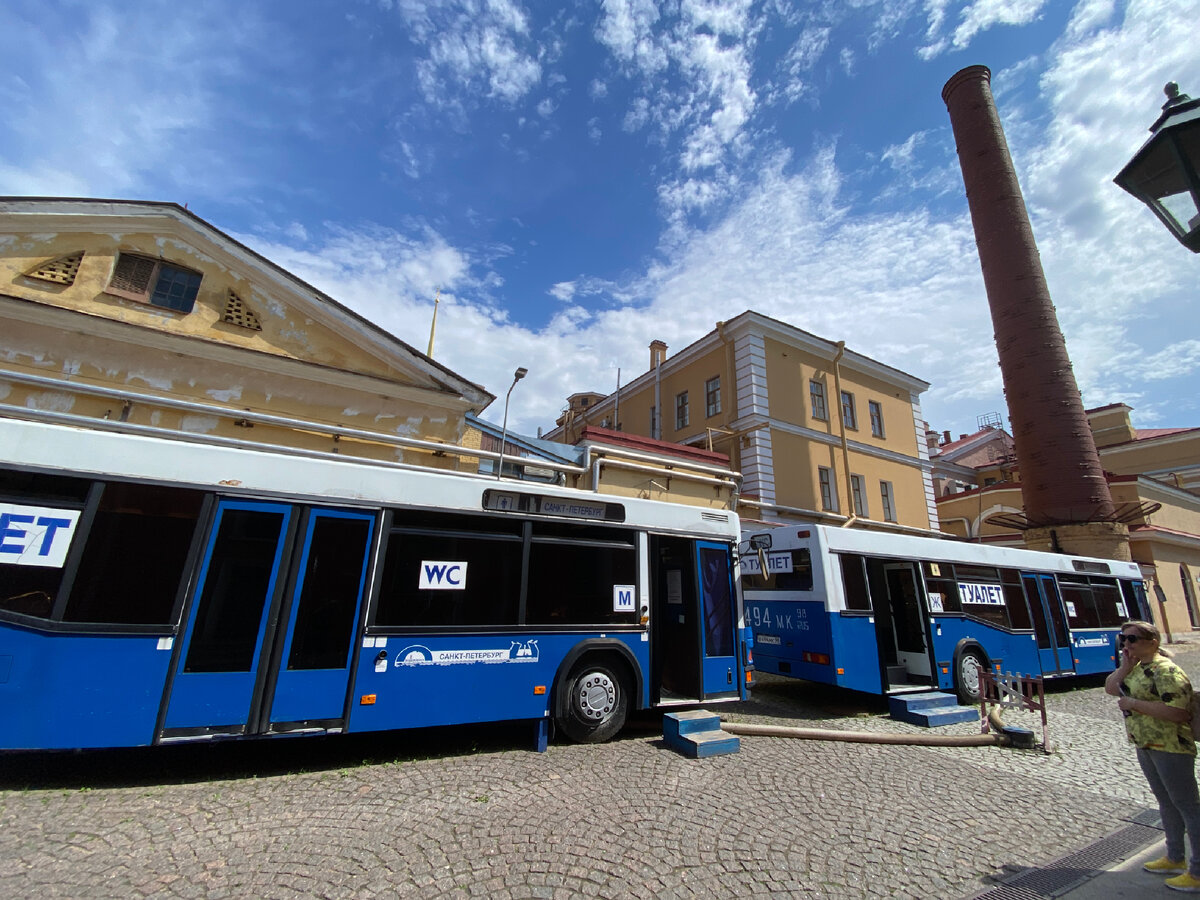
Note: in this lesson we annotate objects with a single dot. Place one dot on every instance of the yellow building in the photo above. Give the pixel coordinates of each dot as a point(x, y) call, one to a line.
point(1154, 477)
point(817, 432)
point(142, 317)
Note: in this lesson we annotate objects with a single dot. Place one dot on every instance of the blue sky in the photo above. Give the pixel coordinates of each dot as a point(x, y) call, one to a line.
point(580, 178)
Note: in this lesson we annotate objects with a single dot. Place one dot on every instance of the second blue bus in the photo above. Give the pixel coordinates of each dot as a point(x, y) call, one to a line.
point(887, 614)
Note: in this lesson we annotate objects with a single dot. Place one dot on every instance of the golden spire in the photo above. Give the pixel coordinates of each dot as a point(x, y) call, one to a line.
point(433, 324)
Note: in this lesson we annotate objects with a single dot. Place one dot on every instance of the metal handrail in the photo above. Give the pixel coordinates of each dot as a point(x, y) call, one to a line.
point(336, 431)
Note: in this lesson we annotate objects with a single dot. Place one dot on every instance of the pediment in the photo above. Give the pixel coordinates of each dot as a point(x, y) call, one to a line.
point(136, 262)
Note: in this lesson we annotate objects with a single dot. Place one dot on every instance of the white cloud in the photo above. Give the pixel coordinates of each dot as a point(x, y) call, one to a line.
point(478, 45)
point(564, 290)
point(707, 109)
point(1175, 361)
point(974, 18)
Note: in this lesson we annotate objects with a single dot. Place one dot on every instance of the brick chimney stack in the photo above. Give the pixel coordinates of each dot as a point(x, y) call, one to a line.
point(1062, 482)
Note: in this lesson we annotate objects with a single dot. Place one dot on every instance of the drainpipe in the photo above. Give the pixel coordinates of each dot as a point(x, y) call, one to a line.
point(734, 441)
point(837, 386)
point(657, 435)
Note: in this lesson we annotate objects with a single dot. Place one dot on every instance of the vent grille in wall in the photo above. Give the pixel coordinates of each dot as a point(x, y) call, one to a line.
point(59, 271)
point(237, 313)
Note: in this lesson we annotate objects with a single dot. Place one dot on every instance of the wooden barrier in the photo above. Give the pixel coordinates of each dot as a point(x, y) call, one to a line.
point(1009, 691)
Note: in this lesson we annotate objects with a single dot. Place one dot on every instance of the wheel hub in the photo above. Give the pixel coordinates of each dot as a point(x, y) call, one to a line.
point(597, 695)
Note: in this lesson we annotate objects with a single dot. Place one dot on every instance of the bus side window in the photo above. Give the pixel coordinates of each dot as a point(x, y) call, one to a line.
point(32, 590)
point(1110, 611)
point(1136, 605)
point(473, 579)
point(572, 579)
point(136, 550)
point(1014, 597)
point(981, 575)
point(854, 579)
point(939, 582)
point(1080, 604)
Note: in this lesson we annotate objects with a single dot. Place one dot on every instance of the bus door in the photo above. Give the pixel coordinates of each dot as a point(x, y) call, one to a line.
point(719, 617)
point(1049, 624)
point(693, 622)
point(908, 621)
point(260, 650)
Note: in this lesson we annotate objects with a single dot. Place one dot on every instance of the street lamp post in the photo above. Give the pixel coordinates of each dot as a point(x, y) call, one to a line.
point(517, 376)
point(1163, 173)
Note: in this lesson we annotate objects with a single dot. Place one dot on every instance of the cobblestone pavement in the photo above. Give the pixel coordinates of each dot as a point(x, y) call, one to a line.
point(473, 812)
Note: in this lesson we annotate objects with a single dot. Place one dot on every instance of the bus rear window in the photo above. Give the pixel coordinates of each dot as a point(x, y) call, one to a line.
point(788, 570)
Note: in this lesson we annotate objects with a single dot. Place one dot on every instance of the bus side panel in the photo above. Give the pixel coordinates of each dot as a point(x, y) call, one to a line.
point(856, 653)
point(1015, 653)
point(1094, 651)
point(67, 691)
point(416, 681)
point(784, 631)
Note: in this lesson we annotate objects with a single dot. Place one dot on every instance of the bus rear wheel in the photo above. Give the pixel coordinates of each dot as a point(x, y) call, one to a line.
point(970, 665)
point(597, 702)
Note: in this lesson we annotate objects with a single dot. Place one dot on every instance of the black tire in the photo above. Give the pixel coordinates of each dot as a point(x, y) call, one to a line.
point(966, 676)
point(596, 703)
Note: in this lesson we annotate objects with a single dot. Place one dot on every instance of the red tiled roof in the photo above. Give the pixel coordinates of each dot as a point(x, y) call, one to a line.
point(650, 445)
point(1144, 434)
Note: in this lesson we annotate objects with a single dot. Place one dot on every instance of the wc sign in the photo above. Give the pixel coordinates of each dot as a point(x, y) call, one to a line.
point(440, 575)
point(35, 535)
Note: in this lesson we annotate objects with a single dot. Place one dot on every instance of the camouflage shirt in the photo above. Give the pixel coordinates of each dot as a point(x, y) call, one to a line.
point(1162, 680)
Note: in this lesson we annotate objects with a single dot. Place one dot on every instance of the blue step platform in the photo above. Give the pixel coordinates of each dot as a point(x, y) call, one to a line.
point(930, 709)
point(697, 733)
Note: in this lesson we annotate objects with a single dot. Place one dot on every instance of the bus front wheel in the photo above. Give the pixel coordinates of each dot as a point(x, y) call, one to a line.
point(596, 703)
point(970, 665)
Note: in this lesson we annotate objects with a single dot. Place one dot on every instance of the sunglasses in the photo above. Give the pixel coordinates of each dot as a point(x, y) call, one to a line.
point(1131, 638)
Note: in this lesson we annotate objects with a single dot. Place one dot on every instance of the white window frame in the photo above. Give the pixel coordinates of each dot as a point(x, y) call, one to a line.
point(712, 397)
point(816, 398)
point(828, 485)
point(875, 409)
point(849, 416)
point(682, 418)
point(888, 498)
point(859, 487)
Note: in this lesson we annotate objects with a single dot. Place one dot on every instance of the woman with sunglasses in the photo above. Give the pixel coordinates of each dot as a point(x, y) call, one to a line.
point(1154, 696)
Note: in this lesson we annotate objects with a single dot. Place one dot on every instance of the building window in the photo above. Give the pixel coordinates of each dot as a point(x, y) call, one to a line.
point(829, 500)
point(155, 282)
point(681, 410)
point(816, 393)
point(860, 495)
point(712, 396)
point(849, 419)
point(889, 505)
point(876, 412)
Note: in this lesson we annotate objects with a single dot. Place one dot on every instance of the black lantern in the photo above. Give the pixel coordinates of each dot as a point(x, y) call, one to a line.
point(1163, 173)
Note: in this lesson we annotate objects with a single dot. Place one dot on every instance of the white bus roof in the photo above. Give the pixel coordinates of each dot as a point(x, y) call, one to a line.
point(879, 543)
point(69, 450)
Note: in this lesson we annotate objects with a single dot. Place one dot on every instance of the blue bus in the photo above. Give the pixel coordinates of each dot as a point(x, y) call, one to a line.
point(157, 590)
point(888, 613)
